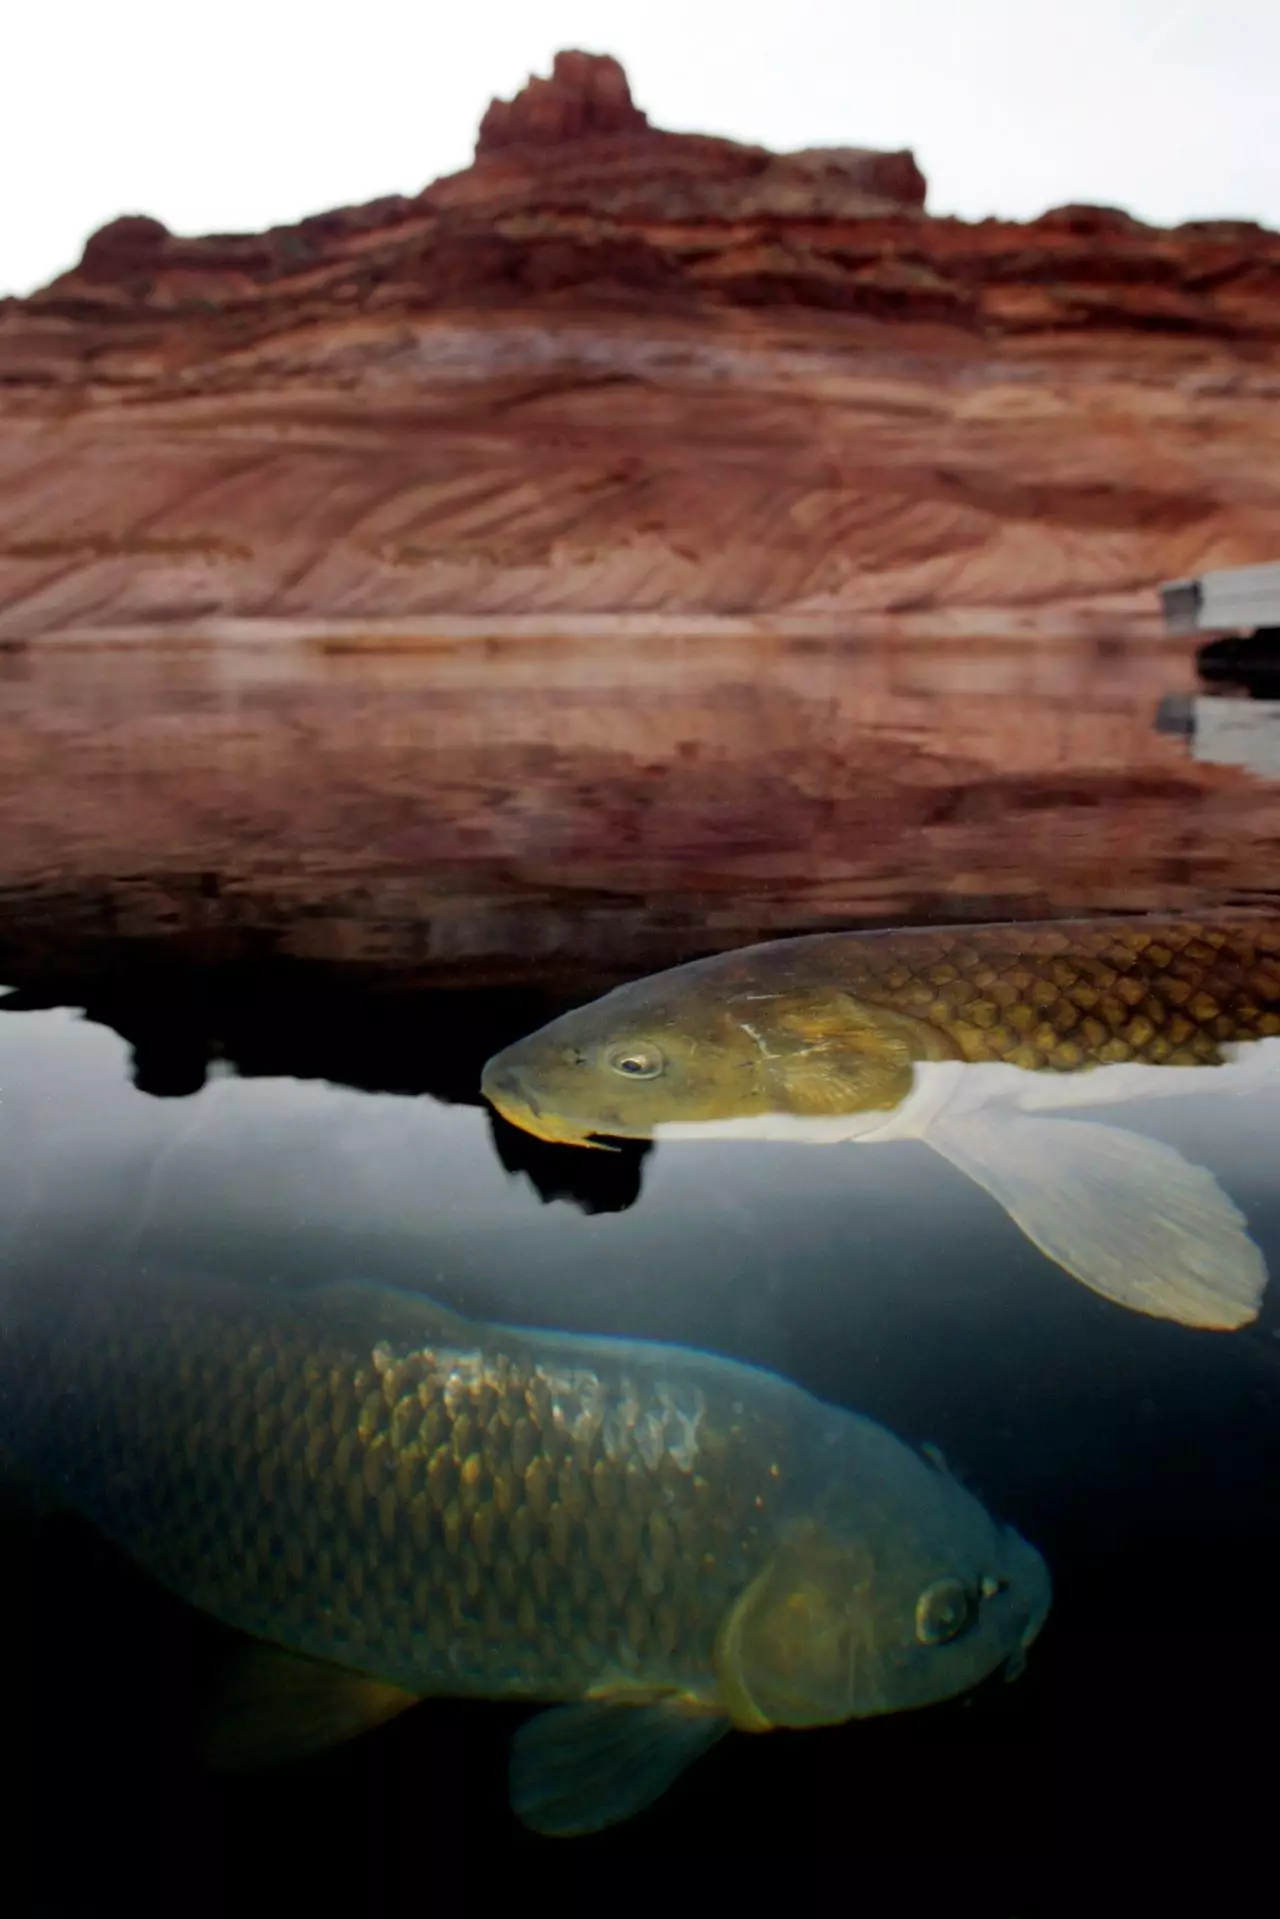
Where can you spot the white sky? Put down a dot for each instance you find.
(246, 113)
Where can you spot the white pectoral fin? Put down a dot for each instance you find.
(1126, 1215)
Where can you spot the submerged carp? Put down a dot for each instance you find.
(959, 1037)
(671, 1543)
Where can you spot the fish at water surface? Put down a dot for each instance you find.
(671, 1543)
(967, 1038)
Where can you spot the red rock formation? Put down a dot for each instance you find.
(624, 377)
(134, 244)
(587, 95)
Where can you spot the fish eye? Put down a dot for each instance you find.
(943, 1611)
(639, 1060)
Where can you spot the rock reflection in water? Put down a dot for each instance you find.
(507, 812)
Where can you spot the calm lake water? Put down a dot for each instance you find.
(263, 919)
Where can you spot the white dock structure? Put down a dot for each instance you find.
(1235, 599)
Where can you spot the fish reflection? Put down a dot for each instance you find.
(965, 1038)
(670, 1543)
(605, 1183)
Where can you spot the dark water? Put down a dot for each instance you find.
(272, 1086)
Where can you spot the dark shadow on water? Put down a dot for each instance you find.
(273, 1021)
(421, 1042)
(1251, 663)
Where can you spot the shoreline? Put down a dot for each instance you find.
(435, 633)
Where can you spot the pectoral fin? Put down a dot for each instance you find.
(575, 1769)
(1128, 1216)
(272, 1706)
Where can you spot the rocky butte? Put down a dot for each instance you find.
(619, 379)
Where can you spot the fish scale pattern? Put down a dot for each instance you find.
(1061, 998)
(443, 1516)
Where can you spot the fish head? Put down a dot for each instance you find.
(701, 1047)
(916, 1598)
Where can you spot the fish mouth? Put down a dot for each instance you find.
(1037, 1574)
(1016, 1664)
(505, 1092)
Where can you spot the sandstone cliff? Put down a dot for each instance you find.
(610, 377)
